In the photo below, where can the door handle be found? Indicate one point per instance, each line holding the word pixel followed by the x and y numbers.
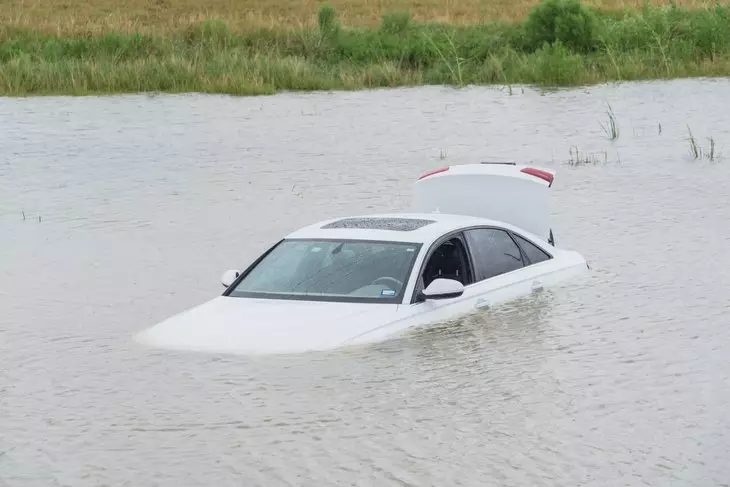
pixel 482 303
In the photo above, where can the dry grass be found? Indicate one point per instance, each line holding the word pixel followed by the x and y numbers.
pixel 96 16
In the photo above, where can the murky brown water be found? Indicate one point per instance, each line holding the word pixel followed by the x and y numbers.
pixel 620 378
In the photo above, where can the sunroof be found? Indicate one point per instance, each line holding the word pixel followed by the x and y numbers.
pixel 368 223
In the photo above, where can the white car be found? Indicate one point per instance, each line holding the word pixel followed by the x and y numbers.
pixel 478 235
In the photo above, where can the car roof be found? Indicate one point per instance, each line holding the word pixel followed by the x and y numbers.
pixel 396 227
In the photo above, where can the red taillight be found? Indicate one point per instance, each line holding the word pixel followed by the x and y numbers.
pixel 433 171
pixel 544 175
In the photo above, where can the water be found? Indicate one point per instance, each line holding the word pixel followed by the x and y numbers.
pixel 117 212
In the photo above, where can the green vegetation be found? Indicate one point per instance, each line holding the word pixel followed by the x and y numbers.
pixel 611 128
pixel 696 151
pixel 562 42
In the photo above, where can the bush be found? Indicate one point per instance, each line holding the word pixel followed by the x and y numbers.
pixel 365 47
pixel 327 20
pixel 567 21
pixel 554 64
pixel 710 30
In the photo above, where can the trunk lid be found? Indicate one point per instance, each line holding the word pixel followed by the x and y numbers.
pixel 506 192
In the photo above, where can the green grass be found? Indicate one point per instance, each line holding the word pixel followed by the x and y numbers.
pixel 656 42
pixel 611 128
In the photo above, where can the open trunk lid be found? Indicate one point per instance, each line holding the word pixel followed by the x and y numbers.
pixel 506 192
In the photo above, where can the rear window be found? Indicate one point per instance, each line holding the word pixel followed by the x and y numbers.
pixel 534 253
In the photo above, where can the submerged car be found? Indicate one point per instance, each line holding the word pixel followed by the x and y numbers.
pixel 476 235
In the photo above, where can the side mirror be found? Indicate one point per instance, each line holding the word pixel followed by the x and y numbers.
pixel 229 276
pixel 443 289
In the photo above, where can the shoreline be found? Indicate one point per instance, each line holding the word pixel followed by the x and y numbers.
pixel 653 43
pixel 516 89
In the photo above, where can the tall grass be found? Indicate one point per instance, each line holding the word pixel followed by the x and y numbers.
pixel 561 42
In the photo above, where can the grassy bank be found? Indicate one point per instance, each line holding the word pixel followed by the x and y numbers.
pixel 560 42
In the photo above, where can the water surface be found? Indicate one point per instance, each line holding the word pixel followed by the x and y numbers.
pixel 117 212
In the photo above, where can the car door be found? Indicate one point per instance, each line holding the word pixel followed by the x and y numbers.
pixel 506 264
pixel 499 270
pixel 435 309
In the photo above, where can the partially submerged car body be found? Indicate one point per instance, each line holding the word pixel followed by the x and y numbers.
pixel 360 279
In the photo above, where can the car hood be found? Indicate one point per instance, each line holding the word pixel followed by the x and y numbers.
pixel 265 326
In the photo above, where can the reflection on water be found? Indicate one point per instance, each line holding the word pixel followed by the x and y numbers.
pixel 619 377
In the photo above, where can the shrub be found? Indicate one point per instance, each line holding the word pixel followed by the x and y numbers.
pixel 327 19
pixel 567 21
pixel 554 64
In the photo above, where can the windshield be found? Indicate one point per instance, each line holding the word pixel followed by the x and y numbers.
pixel 331 270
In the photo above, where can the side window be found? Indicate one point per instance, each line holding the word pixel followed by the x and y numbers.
pixel 448 261
pixel 494 252
pixel 534 253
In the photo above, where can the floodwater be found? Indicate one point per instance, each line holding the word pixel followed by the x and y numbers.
pixel 117 212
